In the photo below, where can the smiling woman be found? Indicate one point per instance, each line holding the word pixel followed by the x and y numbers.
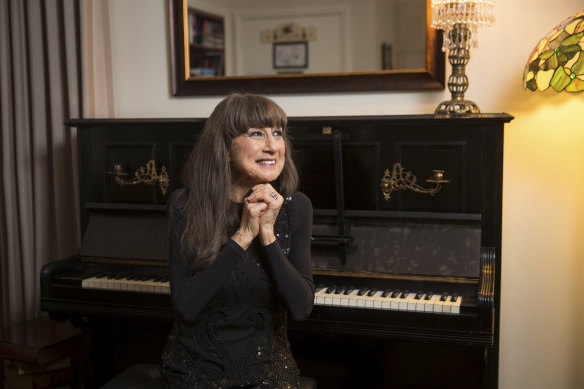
pixel 353 45
pixel 238 265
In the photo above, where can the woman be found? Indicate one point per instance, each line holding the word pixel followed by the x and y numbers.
pixel 239 253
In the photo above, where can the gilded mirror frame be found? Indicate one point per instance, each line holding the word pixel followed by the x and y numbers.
pixel 387 80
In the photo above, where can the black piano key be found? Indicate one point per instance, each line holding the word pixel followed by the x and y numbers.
pixel 444 296
pixel 386 292
pixel 349 290
pixel 419 295
pixel 404 294
pixel 454 297
pixel 341 290
pixel 362 291
pixel 429 295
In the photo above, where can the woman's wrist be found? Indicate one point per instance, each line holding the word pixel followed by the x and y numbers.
pixel 242 239
pixel 267 237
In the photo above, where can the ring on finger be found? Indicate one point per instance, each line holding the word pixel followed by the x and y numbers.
pixel 273 195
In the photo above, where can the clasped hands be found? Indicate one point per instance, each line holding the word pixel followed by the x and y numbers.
pixel 260 210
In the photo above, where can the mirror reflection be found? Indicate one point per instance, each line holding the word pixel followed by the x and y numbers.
pixel 274 37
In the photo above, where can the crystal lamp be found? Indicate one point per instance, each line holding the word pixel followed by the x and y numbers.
pixel 459 20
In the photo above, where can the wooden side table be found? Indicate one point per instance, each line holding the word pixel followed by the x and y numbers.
pixel 41 353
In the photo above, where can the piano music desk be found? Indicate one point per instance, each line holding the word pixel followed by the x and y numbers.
pixel 40 353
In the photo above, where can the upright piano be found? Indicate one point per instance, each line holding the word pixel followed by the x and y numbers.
pixel 406 246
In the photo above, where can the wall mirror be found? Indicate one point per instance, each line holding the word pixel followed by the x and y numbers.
pixel 302 46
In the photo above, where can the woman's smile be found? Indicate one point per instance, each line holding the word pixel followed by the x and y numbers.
pixel 267 162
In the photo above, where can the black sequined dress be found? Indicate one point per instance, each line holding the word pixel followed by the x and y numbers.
pixel 234 334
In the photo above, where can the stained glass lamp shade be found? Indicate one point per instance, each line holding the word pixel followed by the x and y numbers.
pixel 558 59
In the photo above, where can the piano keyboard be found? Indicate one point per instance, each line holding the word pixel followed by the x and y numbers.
pixel 127 282
pixel 388 299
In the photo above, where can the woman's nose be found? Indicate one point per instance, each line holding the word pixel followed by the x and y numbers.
pixel 270 142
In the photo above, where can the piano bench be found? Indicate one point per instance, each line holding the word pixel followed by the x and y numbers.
pixel 307 383
pixel 147 376
pixel 138 376
pixel 40 353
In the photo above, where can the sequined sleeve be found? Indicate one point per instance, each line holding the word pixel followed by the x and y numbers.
pixel 293 275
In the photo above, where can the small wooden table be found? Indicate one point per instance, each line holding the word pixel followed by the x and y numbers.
pixel 40 353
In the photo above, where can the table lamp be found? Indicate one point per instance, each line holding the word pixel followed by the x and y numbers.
pixel 459 20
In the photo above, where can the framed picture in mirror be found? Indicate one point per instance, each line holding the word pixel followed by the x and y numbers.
pixel 290 55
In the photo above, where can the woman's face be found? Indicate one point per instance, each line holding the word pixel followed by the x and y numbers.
pixel 257 157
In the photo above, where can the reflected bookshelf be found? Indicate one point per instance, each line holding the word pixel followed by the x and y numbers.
pixel 207 43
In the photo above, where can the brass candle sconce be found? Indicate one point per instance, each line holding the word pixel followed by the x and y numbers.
pixel 401 179
pixel 146 174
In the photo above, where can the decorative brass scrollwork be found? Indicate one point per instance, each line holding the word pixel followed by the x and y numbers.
pixel 401 179
pixel 146 174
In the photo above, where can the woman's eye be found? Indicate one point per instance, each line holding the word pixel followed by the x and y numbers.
pixel 277 133
pixel 255 133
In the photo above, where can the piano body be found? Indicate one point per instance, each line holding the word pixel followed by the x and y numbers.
pixel 406 247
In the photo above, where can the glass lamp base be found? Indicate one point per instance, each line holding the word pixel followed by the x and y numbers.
pixel 457 107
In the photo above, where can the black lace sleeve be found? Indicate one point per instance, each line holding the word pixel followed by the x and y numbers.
pixel 190 293
pixel 293 275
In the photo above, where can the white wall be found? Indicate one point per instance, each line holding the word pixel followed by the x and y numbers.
pixel 542 315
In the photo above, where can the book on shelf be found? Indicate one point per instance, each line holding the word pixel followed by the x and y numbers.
pixel 206 32
pixel 203 72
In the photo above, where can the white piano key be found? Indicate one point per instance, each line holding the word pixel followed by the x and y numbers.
pixel 413 301
pixel 88 282
pixel 374 301
pixel 345 298
pixel 447 306
pixel 421 303
pixel 352 298
pixel 439 303
pixel 403 301
pixel 328 296
pixel 429 305
pixel 456 305
pixel 337 297
pixel 386 301
pixel 394 300
pixel 361 298
pixel 378 299
pixel 318 296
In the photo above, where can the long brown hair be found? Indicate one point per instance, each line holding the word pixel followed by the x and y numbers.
pixel 211 216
